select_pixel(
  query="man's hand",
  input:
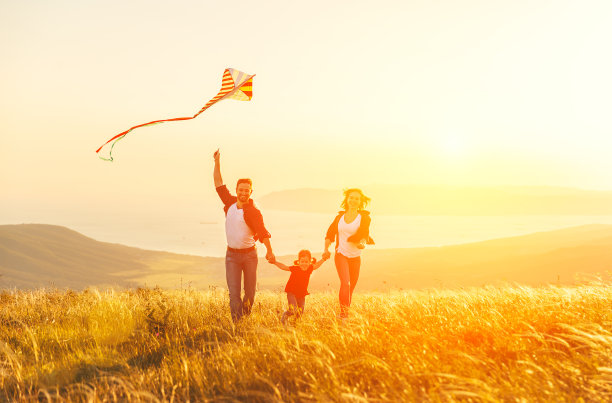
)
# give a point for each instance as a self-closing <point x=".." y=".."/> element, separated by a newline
<point x="216" y="155"/>
<point x="270" y="257"/>
<point x="326" y="255"/>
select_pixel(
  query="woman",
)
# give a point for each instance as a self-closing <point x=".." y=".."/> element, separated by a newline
<point x="351" y="231"/>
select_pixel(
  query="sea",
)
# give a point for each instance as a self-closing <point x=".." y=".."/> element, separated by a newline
<point x="203" y="233"/>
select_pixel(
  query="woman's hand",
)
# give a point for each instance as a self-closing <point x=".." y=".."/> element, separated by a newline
<point x="326" y="255"/>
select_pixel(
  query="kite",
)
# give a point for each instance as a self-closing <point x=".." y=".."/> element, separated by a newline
<point x="236" y="85"/>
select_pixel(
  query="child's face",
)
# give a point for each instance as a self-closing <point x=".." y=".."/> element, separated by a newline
<point x="304" y="262"/>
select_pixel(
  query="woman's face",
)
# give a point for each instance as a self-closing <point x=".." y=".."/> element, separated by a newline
<point x="353" y="200"/>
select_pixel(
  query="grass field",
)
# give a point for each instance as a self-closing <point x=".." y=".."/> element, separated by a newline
<point x="480" y="344"/>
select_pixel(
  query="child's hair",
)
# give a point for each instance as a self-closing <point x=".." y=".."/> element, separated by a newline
<point x="304" y="252"/>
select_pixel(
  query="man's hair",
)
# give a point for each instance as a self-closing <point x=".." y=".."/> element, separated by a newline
<point x="244" y="180"/>
<point x="363" y="202"/>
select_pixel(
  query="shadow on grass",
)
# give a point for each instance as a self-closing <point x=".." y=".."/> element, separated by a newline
<point x="86" y="372"/>
<point x="153" y="358"/>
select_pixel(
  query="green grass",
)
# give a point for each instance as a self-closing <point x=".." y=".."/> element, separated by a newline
<point x="481" y="344"/>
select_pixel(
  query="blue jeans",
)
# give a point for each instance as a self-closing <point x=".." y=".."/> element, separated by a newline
<point x="235" y="265"/>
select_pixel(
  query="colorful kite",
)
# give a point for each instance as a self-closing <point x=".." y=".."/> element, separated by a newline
<point x="236" y="85"/>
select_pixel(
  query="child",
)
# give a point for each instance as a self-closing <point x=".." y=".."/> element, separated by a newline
<point x="297" y="286"/>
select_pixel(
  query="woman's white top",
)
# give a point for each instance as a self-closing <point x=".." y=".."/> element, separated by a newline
<point x="348" y="249"/>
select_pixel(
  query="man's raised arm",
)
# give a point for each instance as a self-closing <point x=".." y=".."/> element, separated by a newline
<point x="217" y="170"/>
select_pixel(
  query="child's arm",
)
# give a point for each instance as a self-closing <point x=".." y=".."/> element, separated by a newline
<point x="281" y="266"/>
<point x="319" y="263"/>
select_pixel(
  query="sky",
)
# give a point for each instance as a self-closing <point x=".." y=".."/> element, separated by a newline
<point x="346" y="93"/>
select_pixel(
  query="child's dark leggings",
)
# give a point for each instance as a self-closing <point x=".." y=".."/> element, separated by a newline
<point x="296" y="304"/>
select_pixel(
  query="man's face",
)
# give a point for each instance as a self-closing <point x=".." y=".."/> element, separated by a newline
<point x="243" y="192"/>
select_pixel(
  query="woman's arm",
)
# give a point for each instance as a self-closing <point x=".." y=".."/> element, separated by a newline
<point x="362" y="236"/>
<point x="326" y="253"/>
<point x="319" y="263"/>
<point x="332" y="232"/>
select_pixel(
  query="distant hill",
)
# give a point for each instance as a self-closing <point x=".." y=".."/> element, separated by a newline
<point x="35" y="255"/>
<point x="563" y="256"/>
<point x="447" y="200"/>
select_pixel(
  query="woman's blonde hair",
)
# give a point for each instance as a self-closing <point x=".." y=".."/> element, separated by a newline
<point x="362" y="204"/>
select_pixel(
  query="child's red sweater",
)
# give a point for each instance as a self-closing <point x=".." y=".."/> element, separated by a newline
<point x="298" y="281"/>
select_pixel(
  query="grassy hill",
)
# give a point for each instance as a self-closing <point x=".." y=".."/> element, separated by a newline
<point x="557" y="257"/>
<point x="489" y="344"/>
<point x="34" y="255"/>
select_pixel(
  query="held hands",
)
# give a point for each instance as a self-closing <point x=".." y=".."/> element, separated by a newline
<point x="326" y="255"/>
<point x="270" y="257"/>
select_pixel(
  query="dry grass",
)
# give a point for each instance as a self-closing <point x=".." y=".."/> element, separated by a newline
<point x="482" y="344"/>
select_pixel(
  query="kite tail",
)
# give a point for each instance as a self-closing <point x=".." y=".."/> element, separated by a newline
<point x="122" y="135"/>
<point x="240" y="90"/>
<point x="110" y="153"/>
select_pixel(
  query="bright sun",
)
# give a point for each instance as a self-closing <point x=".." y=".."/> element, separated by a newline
<point x="453" y="146"/>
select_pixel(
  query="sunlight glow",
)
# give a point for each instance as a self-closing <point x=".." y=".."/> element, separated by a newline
<point x="454" y="146"/>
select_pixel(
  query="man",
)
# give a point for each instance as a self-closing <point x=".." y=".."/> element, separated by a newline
<point x="243" y="226"/>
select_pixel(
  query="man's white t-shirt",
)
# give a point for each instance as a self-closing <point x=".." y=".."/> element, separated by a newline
<point x="348" y="249"/>
<point x="237" y="232"/>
